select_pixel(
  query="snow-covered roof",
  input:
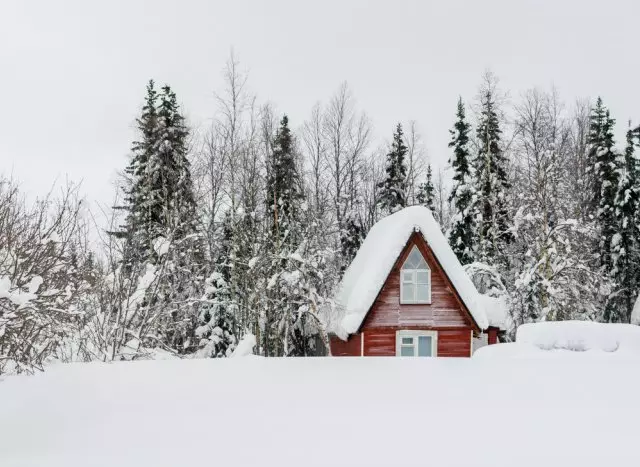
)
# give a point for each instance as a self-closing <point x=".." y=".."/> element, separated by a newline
<point x="370" y="268"/>
<point x="496" y="309"/>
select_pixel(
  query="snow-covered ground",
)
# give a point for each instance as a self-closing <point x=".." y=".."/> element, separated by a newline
<point x="324" y="412"/>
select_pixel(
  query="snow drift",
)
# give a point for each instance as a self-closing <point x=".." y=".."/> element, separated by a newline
<point x="569" y="338"/>
<point x="581" y="336"/>
<point x="323" y="412"/>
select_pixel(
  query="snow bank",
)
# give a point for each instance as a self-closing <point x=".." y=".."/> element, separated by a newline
<point x="580" y="336"/>
<point x="366" y="275"/>
<point x="323" y="412"/>
<point x="568" y="339"/>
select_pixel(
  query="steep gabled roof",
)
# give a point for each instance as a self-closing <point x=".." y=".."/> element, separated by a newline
<point x="370" y="268"/>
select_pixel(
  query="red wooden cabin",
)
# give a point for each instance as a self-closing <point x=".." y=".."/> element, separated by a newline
<point x="406" y="294"/>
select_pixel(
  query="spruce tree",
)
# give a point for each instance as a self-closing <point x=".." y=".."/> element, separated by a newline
<point x="393" y="190"/>
<point x="138" y="241"/>
<point x="426" y="191"/>
<point x="492" y="182"/>
<point x="161" y="212"/>
<point x="284" y="200"/>
<point x="172" y="207"/>
<point x="284" y="189"/>
<point x="217" y="328"/>
<point x="605" y="167"/>
<point x="462" y="233"/>
<point x="159" y="201"/>
<point x="625" y="247"/>
<point x="595" y="139"/>
<point x="351" y="239"/>
<point x="171" y="199"/>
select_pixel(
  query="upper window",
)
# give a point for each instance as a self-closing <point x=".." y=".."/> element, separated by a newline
<point x="415" y="279"/>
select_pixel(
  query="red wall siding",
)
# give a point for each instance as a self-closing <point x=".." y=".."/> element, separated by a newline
<point x="340" y="348"/>
<point x="454" y="343"/>
<point x="381" y="342"/>
<point x="492" y="336"/>
<point x="445" y="309"/>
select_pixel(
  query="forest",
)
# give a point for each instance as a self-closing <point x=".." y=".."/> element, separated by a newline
<point x="245" y="228"/>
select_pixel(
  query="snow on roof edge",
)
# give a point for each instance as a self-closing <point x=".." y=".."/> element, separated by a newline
<point x="371" y="266"/>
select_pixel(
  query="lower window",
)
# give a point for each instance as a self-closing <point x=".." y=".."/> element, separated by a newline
<point x="416" y="343"/>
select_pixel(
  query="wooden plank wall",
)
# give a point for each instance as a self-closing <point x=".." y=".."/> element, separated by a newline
<point x="381" y="342"/>
<point x="348" y="348"/>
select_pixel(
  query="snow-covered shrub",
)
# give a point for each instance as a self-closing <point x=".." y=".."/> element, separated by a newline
<point x="45" y="270"/>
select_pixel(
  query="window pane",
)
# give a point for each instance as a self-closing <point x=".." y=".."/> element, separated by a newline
<point x="407" y="340"/>
<point x="407" y="276"/>
<point x="406" y="351"/>
<point x="424" y="346"/>
<point x="412" y="260"/>
<point x="408" y="293"/>
<point x="423" y="293"/>
<point x="422" y="277"/>
<point x="415" y="260"/>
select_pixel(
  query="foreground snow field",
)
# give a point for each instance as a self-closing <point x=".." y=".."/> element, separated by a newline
<point x="324" y="412"/>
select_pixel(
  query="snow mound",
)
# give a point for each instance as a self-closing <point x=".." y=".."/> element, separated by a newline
<point x="568" y="339"/>
<point x="248" y="411"/>
<point x="370" y="268"/>
<point x="580" y="336"/>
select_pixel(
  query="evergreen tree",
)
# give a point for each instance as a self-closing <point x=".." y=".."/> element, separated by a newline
<point x="161" y="219"/>
<point x="492" y="181"/>
<point x="605" y="167"/>
<point x="595" y="139"/>
<point x="426" y="191"/>
<point x="172" y="208"/>
<point x="171" y="199"/>
<point x="284" y="207"/>
<point x="351" y="239"/>
<point x="284" y="189"/>
<point x="159" y="200"/>
<point x="463" y="227"/>
<point x="217" y="328"/>
<point x="625" y="247"/>
<point x="136" y="231"/>
<point x="393" y="190"/>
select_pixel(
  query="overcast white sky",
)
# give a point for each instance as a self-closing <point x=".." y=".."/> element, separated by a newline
<point x="72" y="72"/>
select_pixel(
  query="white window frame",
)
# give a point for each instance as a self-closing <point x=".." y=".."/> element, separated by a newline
<point x="415" y="335"/>
<point x="414" y="282"/>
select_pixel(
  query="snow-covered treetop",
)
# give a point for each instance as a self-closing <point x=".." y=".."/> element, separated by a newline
<point x="370" y="268"/>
